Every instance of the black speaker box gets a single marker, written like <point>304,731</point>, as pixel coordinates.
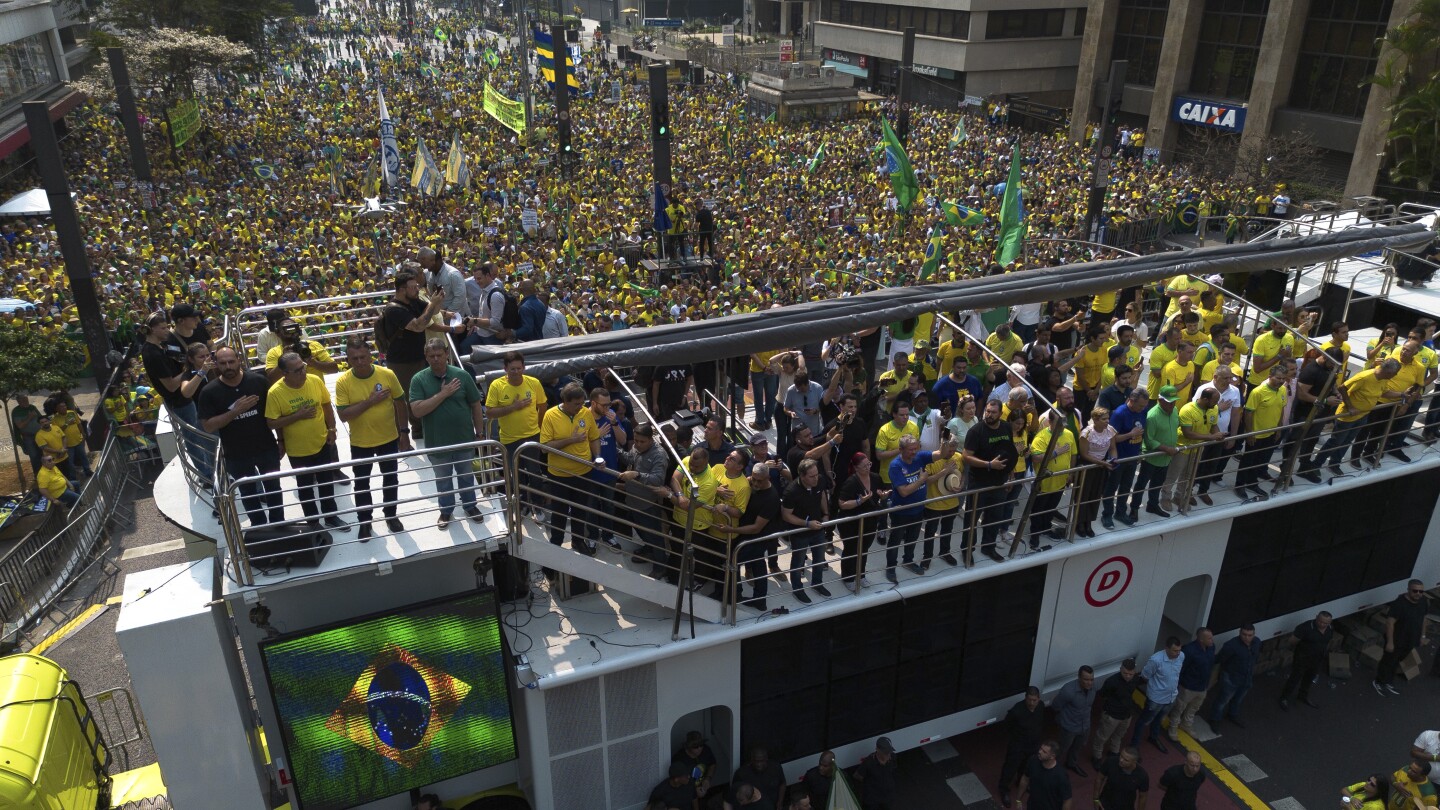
<point>512,577</point>
<point>286,546</point>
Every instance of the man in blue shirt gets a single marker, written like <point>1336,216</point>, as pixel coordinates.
<point>947,389</point>
<point>611,436</point>
<point>1162,684</point>
<point>1237,672</point>
<point>1194,682</point>
<point>532,313</point>
<point>908,479</point>
<point>1129,423</point>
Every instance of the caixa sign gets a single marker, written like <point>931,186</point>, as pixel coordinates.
<point>1213,114</point>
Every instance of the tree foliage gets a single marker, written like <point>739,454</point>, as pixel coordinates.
<point>1263,161</point>
<point>237,20</point>
<point>37,362</point>
<point>169,60</point>
<point>1410,71</point>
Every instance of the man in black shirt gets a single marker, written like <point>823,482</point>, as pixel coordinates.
<point>1181,784</point>
<point>698,757</point>
<point>1117,706</point>
<point>677,791</point>
<point>717,447</point>
<point>187,328</point>
<point>819,780</point>
<point>1121,784</point>
<point>875,776</point>
<point>761,775</point>
<point>1044,781</point>
<point>761,518</point>
<point>1313,642</point>
<point>990,456</point>
<point>1404,631</point>
<point>1115,394</point>
<point>806,505</point>
<point>1024,725</point>
<point>670,390</point>
<point>1314,378</point>
<point>403,324</point>
<point>850,432</point>
<point>234,407</point>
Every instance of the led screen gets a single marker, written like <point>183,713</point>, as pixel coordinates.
<point>392,702</point>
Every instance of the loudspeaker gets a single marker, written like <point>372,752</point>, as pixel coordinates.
<point>286,546</point>
<point>512,577</point>
<point>697,74</point>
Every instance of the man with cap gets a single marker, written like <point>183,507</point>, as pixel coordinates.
<point>1159,444</point>
<point>875,776</point>
<point>185,326</point>
<point>696,755</point>
<point>677,790</point>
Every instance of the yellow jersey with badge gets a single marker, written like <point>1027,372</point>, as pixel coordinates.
<point>523,423</point>
<point>1363,391</point>
<point>1266,407</point>
<point>376,424</point>
<point>304,437</point>
<point>317,353</point>
<point>1198,419</point>
<point>1060,461</point>
<point>888,438</point>
<point>556,425</point>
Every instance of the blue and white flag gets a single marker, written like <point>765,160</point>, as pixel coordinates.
<point>389,150</point>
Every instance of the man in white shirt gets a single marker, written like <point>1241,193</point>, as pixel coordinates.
<point>445,277</point>
<point>927,419</point>
<point>1231,406</point>
<point>1427,747</point>
<point>485,294</point>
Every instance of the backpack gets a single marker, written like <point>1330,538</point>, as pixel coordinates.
<point>510,317</point>
<point>380,332</point>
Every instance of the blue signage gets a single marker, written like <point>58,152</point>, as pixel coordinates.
<point>662,22</point>
<point>1212,114</point>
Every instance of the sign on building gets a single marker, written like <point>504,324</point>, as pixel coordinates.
<point>1211,114</point>
<point>787,50</point>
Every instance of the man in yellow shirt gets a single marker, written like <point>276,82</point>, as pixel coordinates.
<point>299,407</point>
<point>1089,364</point>
<point>69,423</point>
<point>371,402</point>
<point>1057,476</point>
<point>1264,410</point>
<point>50,438</point>
<point>1270,348</point>
<point>1166,350</point>
<point>1004,342</point>
<point>1406,385</point>
<point>516,403</point>
<point>706,491</point>
<point>52,483</point>
<point>1181,372</point>
<point>1182,287</point>
<point>1199,422</point>
<point>1358,397</point>
<point>318,362</point>
<point>732,495</point>
<point>571,430</point>
<point>887,440</point>
<point>1227,359</point>
<point>897,379</point>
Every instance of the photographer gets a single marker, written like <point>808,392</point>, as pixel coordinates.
<point>318,362</point>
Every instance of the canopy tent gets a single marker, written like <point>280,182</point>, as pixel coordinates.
<point>739,335</point>
<point>32,203</point>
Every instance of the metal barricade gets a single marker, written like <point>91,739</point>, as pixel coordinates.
<point>470,475</point>
<point>343,316</point>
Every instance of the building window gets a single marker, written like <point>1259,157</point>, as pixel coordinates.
<point>1040,22</point>
<point>1339,50</point>
<point>886,17</point>
<point>1139,36</point>
<point>1080,21</point>
<point>25,65</point>
<point>1228,47</point>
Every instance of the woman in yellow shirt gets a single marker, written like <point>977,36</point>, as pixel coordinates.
<point>1372,794</point>
<point>69,423</point>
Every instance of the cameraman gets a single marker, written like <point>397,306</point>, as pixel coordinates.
<point>317,361</point>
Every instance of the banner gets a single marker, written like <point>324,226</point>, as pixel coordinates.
<point>184,122</point>
<point>457,173</point>
<point>510,114</point>
<point>389,151</point>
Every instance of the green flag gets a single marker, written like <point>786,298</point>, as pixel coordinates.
<point>1012,215</point>
<point>440,34</point>
<point>817,160</point>
<point>932,256</point>
<point>902,176</point>
<point>770,119</point>
<point>957,214</point>
<point>958,136</point>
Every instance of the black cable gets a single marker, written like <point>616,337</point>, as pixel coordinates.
<point>168,580</point>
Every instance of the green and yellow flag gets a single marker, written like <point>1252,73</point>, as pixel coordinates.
<point>902,175</point>
<point>1012,215</point>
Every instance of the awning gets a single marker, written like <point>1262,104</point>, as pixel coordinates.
<point>32,203</point>
<point>739,335</point>
<point>863,73</point>
<point>13,132</point>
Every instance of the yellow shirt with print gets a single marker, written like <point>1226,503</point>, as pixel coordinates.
<point>1266,407</point>
<point>304,437</point>
<point>1005,348</point>
<point>69,424</point>
<point>1198,419</point>
<point>1159,356</point>
<point>376,424</point>
<point>558,425</point>
<point>525,422</point>
<point>1090,366</point>
<point>1411,373</point>
<point>739,487</point>
<point>317,353</point>
<point>932,489</point>
<point>1209,373</point>
<point>888,438</point>
<point>706,483</point>
<point>1176,375</point>
<point>1363,390</point>
<point>1404,793</point>
<point>1063,458</point>
<point>1266,347</point>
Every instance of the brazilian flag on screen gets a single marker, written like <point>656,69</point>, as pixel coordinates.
<point>545,51</point>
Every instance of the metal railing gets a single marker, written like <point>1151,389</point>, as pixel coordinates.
<point>328,321</point>
<point>470,475</point>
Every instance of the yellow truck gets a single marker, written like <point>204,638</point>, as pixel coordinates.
<point>52,756</point>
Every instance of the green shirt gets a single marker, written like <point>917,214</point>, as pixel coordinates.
<point>1160,429</point>
<point>453,421</point>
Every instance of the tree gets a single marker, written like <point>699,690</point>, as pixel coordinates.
<point>168,60</point>
<point>1411,73</point>
<point>35,362</point>
<point>240,21</point>
<point>1267,160</point>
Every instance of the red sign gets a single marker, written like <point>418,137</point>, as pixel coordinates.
<point>1108,581</point>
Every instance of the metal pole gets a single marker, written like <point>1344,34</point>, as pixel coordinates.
<point>72,239</point>
<point>129,114</point>
<point>560,36</point>
<point>522,36</point>
<point>907,65</point>
<point>1100,178</point>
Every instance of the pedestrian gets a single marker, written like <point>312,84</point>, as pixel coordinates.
<point>1312,643</point>
<point>757,772</point>
<point>819,780</point>
<point>1404,631</point>
<point>1236,661</point>
<point>447,402</point>
<point>1024,727</point>
<point>1128,420</point>
<point>570,438</point>
<point>1160,444</point>
<point>1194,682</point>
<point>697,756</point>
<point>1427,748</point>
<point>1073,707</point>
<point>1372,794</point>
<point>298,408</point>
<point>909,476</point>
<point>400,333</point>
<point>53,483</point>
<point>1117,706</point>
<point>233,406</point>
<point>1162,684</point>
<point>875,776</point>
<point>1120,783</point>
<point>990,456</point>
<point>1044,781</point>
<point>677,790</point>
<point>1181,784</point>
<point>371,403</point>
<point>806,505</point>
<point>1411,788</point>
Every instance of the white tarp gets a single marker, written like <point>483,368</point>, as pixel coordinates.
<point>32,203</point>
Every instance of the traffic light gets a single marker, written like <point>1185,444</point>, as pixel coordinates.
<point>660,118</point>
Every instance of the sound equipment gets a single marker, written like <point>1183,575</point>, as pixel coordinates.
<point>301,544</point>
<point>512,576</point>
